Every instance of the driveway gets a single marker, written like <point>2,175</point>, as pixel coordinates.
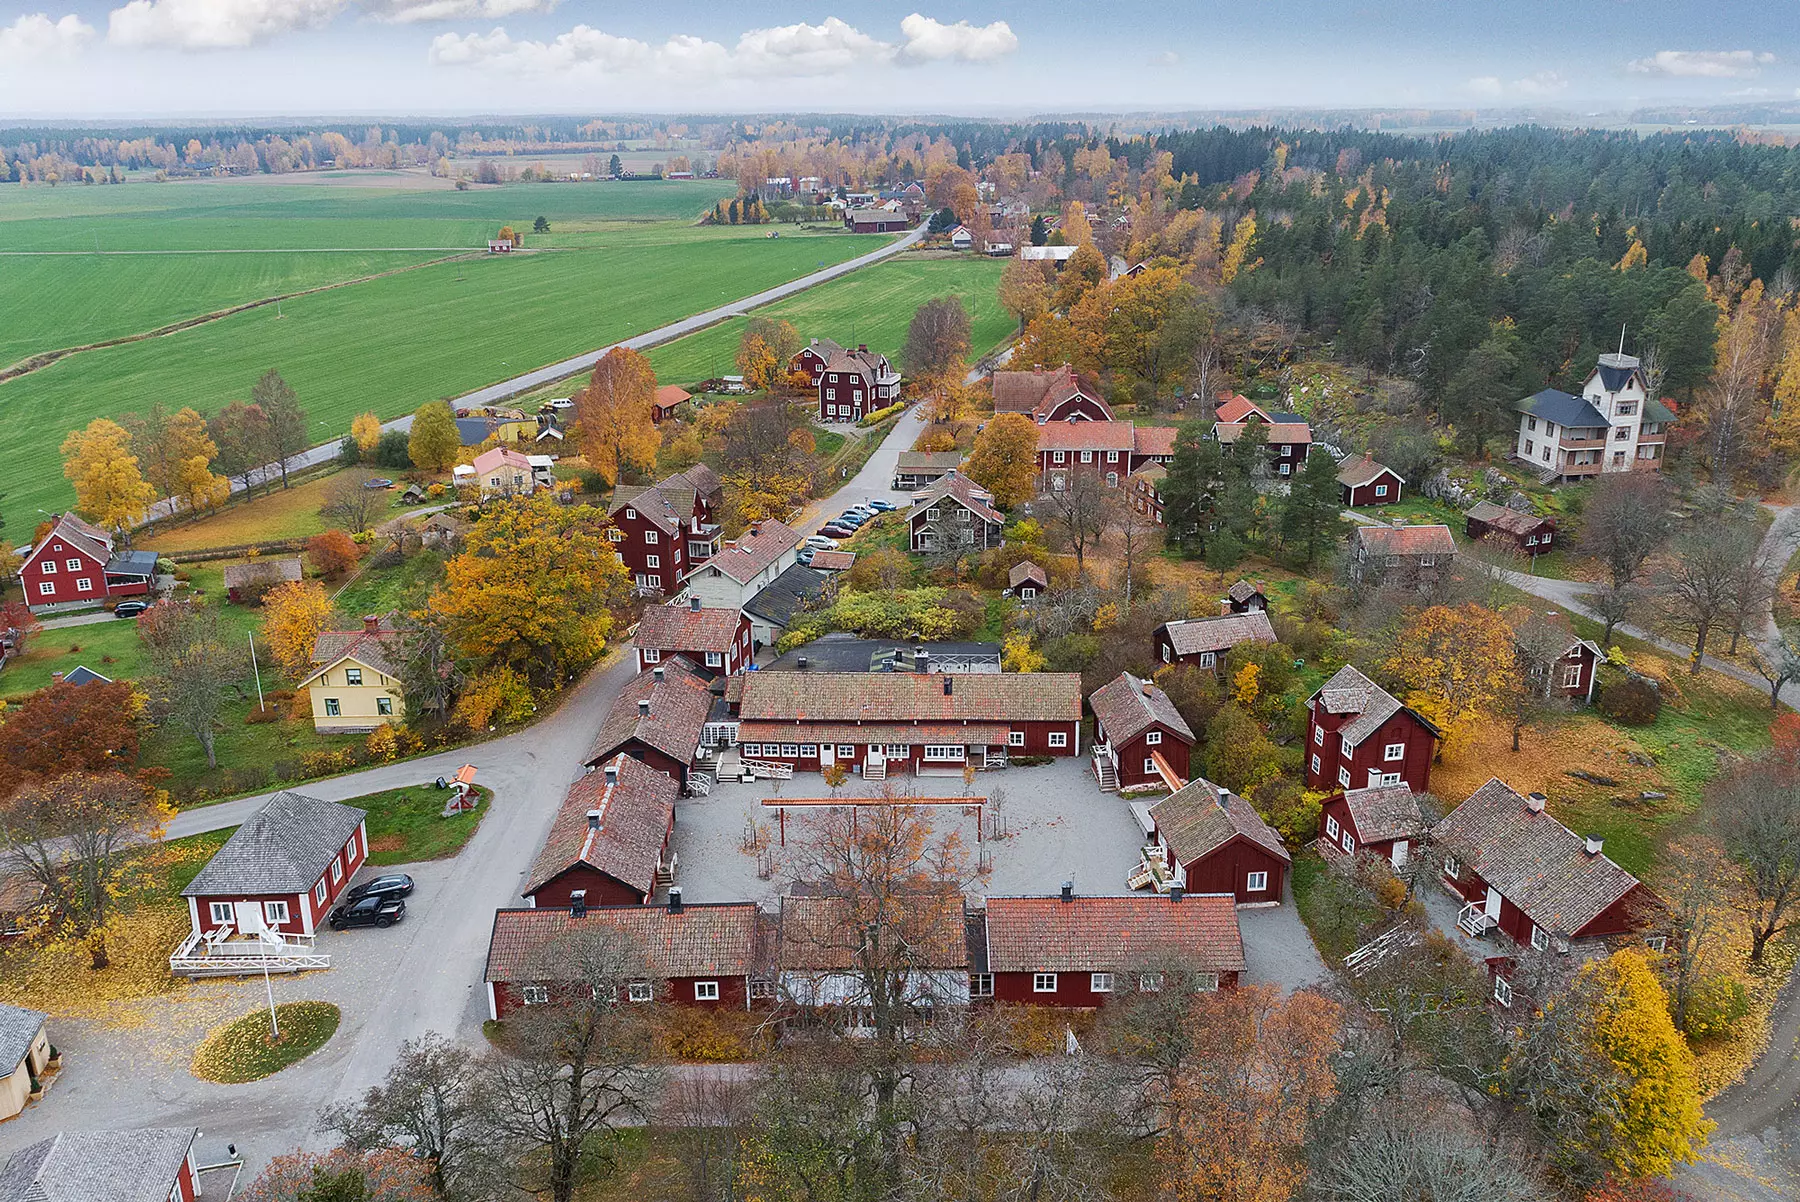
<point>1755,1153</point>
<point>876,479</point>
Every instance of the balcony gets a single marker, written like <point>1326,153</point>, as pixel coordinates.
<point>1579,469</point>
<point>1582,444</point>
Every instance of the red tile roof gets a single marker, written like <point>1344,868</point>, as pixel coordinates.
<point>832,561</point>
<point>1038,392</point>
<point>757,548</point>
<point>1086,436</point>
<point>379,649</point>
<point>1153,440</point>
<point>670,395</point>
<point>990,734</point>
<point>904,697</point>
<point>1358,470</point>
<point>1024,571</point>
<point>1350,692</point>
<point>679,702</point>
<point>697,941</point>
<point>1236,407</point>
<point>636,812</point>
<point>1278,432</point>
<point>1113,934</point>
<point>1195,636</point>
<point>824,934</point>
<point>1383,812</point>
<point>1200,818</point>
<point>680,627</point>
<point>1127,707</point>
<point>1406,540</point>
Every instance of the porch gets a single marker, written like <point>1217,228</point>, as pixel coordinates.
<point>227,952</point>
<point>1464,923</point>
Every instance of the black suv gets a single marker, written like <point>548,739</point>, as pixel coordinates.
<point>394,884</point>
<point>368,912</point>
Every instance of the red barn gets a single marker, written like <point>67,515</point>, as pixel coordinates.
<point>657,719</point>
<point>663,532</point>
<point>1382,820</point>
<point>1141,740</point>
<point>281,871</point>
<point>716,641</point>
<point>668,401</point>
<point>76,564</point>
<point>1204,642</point>
<point>1358,735</point>
<point>142,1164</point>
<point>1081,952</point>
<point>609,843</point>
<point>1216,842</point>
<point>693,955</point>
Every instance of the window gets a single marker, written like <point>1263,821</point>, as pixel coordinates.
<point>831,394</point>
<point>1256,882</point>
<point>1621,433</point>
<point>1315,765</point>
<point>534,995</point>
<point>47,588</point>
<point>1656,943</point>
<point>337,870</point>
<point>384,706</point>
<point>221,911</point>
<point>1531,423</point>
<point>1344,777</point>
<point>1331,827</point>
<point>1286,468</point>
<point>84,585</point>
<point>899,751</point>
<point>1530,446</point>
<point>943,751</point>
<point>651,654</point>
<point>1112,479</point>
<point>653,561</point>
<point>352,675</point>
<point>1208,659</point>
<point>1571,676</point>
<point>1348,843</point>
<point>1015,738</point>
<point>74,565</point>
<point>1149,766</point>
<point>1381,490</point>
<point>1318,736</point>
<point>1452,867</point>
<point>809,751</point>
<point>1206,982</point>
<point>963,515</point>
<point>981,984</point>
<point>319,892</point>
<point>1503,992</point>
<point>706,991</point>
<point>790,750</point>
<point>751,748</point>
<point>615,534</point>
<point>1043,982</point>
<point>275,912</point>
<point>1059,738</point>
<point>933,514</point>
<point>1627,408</point>
<point>1152,737</point>
<point>49,566</point>
<point>1426,561</point>
<point>1165,653</point>
<point>846,751</point>
<point>1087,456</point>
<point>651,537</point>
<point>1112,456</point>
<point>631,513</point>
<point>1395,751</point>
<point>332,709</point>
<point>1100,982</point>
<point>1056,456</point>
<point>1150,982</point>
<point>1539,940</point>
<point>1545,456</point>
<point>715,659</point>
<point>1388,778</point>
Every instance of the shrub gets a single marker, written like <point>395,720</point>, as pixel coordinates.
<point>1028,761</point>
<point>710,1036</point>
<point>1633,701</point>
<point>391,450</point>
<point>592,482</point>
<point>332,553</point>
<point>435,490</point>
<point>382,744</point>
<point>259,715</point>
<point>881,415</point>
<point>1717,1006</point>
<point>497,696</point>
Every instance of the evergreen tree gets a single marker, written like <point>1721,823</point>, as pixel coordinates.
<point>1039,231</point>
<point>1482,392</point>
<point>1312,514</point>
<point>1191,485</point>
<point>615,168</point>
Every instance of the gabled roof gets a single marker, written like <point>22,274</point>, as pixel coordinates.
<point>1510,520</point>
<point>1196,636</point>
<point>89,540</point>
<point>831,561</point>
<point>1617,370</point>
<point>1026,570</point>
<point>285,847</point>
<point>1242,591</point>
<point>1358,470</point>
<point>1086,436</point>
<point>82,674</point>
<point>906,697</point>
<point>625,842</point>
<point>495,458</point>
<point>1555,405</point>
<point>699,940</point>
<point>1088,934</point>
<point>820,934</point>
<point>1153,440</point>
<point>757,548</point>
<point>1278,432</point>
<point>679,700</point>
<point>18,1030</point>
<point>1236,407</point>
<point>779,600</point>
<point>257,571</point>
<point>138,1165</point>
<point>867,364</point>
<point>824,348</point>
<point>1405,540</point>
<point>671,500</point>
<point>927,461</point>
<point>1657,411</point>
<point>378,648</point>
<point>1153,473</point>
<point>670,395</point>
<point>1383,812</point>
<point>1200,817</point>
<point>1350,692</point>
<point>1038,393</point>
<point>963,491</point>
<point>1127,707</point>
<point>680,627</point>
<point>1537,863</point>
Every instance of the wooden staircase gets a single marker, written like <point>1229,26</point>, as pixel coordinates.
<point>1104,773</point>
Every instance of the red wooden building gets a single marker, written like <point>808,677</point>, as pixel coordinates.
<point>657,719</point>
<point>141,1164</point>
<point>663,532</point>
<point>716,641</point>
<point>1059,395</point>
<point>1358,734</point>
<point>1146,485</point>
<point>667,403</point>
<point>1526,532</point>
<point>1081,952</point>
<point>856,383</point>
<point>1215,842</point>
<point>1517,869</point>
<point>1107,450</point>
<point>1289,437</point>
<point>1140,739</point>
<point>76,563</point>
<point>1382,820</point>
<point>1362,481</point>
<point>813,357</point>
<point>693,955</point>
<point>1204,642</point>
<point>1575,671</point>
<point>886,722</point>
<point>1242,597</point>
<point>281,871</point>
<point>609,843</point>
<point>955,514</point>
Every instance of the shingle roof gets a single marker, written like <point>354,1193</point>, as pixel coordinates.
<point>1127,707</point>
<point>1153,440</point>
<point>756,549</point>
<point>1236,407</point>
<point>1037,393</point>
<point>680,627</point>
<point>1657,411</point>
<point>138,1165</point>
<point>671,500</point>
<point>636,812</point>
<point>89,539</point>
<point>1383,812</point>
<point>1243,590</point>
<point>823,934</point>
<point>1086,436</point>
<point>670,395</point>
<point>1088,934</point>
<point>915,462</point>
<point>779,600</point>
<point>1278,432</point>
<point>699,940</point>
<point>1555,405</point>
<point>379,649</point>
<point>1358,470</point>
<point>285,847</point>
<point>1194,636</point>
<point>256,571</point>
<point>905,697</point>
<point>1510,520</point>
<point>679,702</point>
<point>18,1028</point>
<point>964,491</point>
<point>1537,863</point>
<point>1350,692</point>
<point>822,347</point>
<point>1026,570</point>
<point>1196,823</point>
<point>831,561</point>
<point>1406,540</point>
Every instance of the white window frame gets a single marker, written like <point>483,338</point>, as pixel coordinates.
<point>653,561</point>
<point>1206,982</point>
<point>1149,766</point>
<point>337,869</point>
<point>1043,982</point>
<point>1344,777</point>
<point>1112,456</point>
<point>1208,659</point>
<point>1100,982</point>
<point>750,749</point>
<point>274,912</point>
<point>1657,943</point>
<point>1056,457</point>
<point>1381,490</point>
<point>1015,738</point>
<point>809,751</point>
<point>1331,827</point>
<point>46,588</point>
<point>1087,456</point>
<point>1059,738</point>
<point>1152,738</point>
<point>1452,867</point>
<point>48,566</point>
<point>846,751</point>
<point>1571,676</point>
<point>1394,751</point>
<point>790,751</point>
<point>715,659</point>
<point>706,991</point>
<point>1256,882</point>
<point>1150,982</point>
<point>1318,736</point>
<point>74,565</point>
<point>651,537</point>
<point>651,654</point>
<point>319,890</point>
<point>631,513</point>
<point>534,995</point>
<point>221,912</point>
<point>1348,843</point>
<point>1503,992</point>
<point>1540,938</point>
<point>84,585</point>
<point>1315,765</point>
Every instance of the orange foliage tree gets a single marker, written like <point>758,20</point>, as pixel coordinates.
<point>612,414</point>
<point>1453,664</point>
<point>332,553</point>
<point>293,615</point>
<point>69,728</point>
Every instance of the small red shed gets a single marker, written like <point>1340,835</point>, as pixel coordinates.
<point>1216,842</point>
<point>1139,736</point>
<point>1381,820</point>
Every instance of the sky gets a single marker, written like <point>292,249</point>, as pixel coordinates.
<point>303,58</point>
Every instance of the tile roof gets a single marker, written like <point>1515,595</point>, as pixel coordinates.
<point>1405,540</point>
<point>1086,436</point>
<point>779,600</point>
<point>961,489</point>
<point>1193,636</point>
<point>1357,470</point>
<point>679,701</point>
<point>831,561</point>
<point>258,571</point>
<point>1195,823</point>
<point>1537,863</point>
<point>1278,432</point>
<point>824,933</point>
<point>1555,405</point>
<point>1038,393</point>
<point>1510,520</point>
<point>1243,590</point>
<point>285,847</point>
<point>670,395</point>
<point>1026,570</point>
<point>1383,812</point>
<point>757,548</point>
<point>1153,440</point>
<point>138,1165</point>
<point>670,501</point>
<point>1153,472</point>
<point>18,1028</point>
<point>1236,407</point>
<point>680,627</point>
<point>498,457</point>
<point>699,940</point>
<point>1127,707</point>
<point>1350,692</point>
<point>914,462</point>
<point>867,364</point>
<point>905,697</point>
<point>91,540</point>
<point>379,649</point>
<point>978,733</point>
<point>822,347</point>
<point>1088,934</point>
<point>636,812</point>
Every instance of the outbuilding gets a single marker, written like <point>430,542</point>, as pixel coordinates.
<point>1215,842</point>
<point>609,842</point>
<point>1362,481</point>
<point>1381,820</point>
<point>1141,741</point>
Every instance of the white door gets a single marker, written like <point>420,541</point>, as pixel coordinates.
<point>827,754</point>
<point>249,917</point>
<point>873,760</point>
<point>1492,905</point>
<point>1399,853</point>
<point>1374,777</point>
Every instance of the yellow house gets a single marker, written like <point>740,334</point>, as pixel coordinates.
<point>355,684</point>
<point>24,1046</point>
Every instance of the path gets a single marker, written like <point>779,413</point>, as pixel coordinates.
<point>494,393</point>
<point>1753,1153</point>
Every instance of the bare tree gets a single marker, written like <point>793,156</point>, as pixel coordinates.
<point>352,505</point>
<point>1395,1155</point>
<point>424,1107</point>
<point>1139,538</point>
<point>1614,603</point>
<point>1078,512</point>
<point>1756,817</point>
<point>1530,696</point>
<point>1701,583</point>
<point>1693,887</point>
<point>1628,515</point>
<point>1777,662</point>
<point>194,667</point>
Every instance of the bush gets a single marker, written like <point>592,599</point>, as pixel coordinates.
<point>881,415</point>
<point>382,744</point>
<point>592,482</point>
<point>391,451</point>
<point>1029,761</point>
<point>1717,1006</point>
<point>349,454</point>
<point>1633,701</point>
<point>258,716</point>
<point>709,1036</point>
<point>332,553</point>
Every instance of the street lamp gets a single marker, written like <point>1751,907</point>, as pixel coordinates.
<point>270,940</point>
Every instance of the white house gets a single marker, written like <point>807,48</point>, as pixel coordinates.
<point>1615,425</point>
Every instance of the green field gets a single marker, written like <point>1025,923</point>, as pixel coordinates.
<point>874,306</point>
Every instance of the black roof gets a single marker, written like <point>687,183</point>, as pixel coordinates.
<point>839,652</point>
<point>1555,405</point>
<point>783,596</point>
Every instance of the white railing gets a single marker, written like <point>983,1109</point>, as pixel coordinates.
<point>763,769</point>
<point>1474,921</point>
<point>212,956</point>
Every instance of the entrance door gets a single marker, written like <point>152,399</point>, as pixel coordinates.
<point>1491,907</point>
<point>1399,853</point>
<point>249,917</point>
<point>827,755</point>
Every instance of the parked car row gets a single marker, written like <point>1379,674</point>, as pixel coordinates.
<point>854,518</point>
<point>374,903</point>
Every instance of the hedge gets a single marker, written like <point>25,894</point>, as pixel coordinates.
<point>881,415</point>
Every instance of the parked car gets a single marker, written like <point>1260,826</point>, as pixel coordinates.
<point>378,482</point>
<point>883,506</point>
<point>852,520</point>
<point>861,511</point>
<point>836,531</point>
<point>818,542</point>
<point>376,911</point>
<point>394,884</point>
<point>130,609</point>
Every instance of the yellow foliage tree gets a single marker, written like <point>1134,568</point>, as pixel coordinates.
<point>1004,459</point>
<point>754,496</point>
<point>1084,272</point>
<point>1075,226</point>
<point>1237,251</point>
<point>495,697</point>
<point>1106,617</point>
<point>1454,665</point>
<point>757,363</point>
<point>365,431</point>
<point>109,489</point>
<point>1024,292</point>
<point>1635,256</point>
<point>293,615</point>
<point>1784,403</point>
<point>1018,655</point>
<point>190,451</point>
<point>612,414</point>
<point>1246,685</point>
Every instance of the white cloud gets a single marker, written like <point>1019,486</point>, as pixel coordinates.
<point>1166,58</point>
<point>1486,85</point>
<point>929,41</point>
<point>35,37</point>
<point>215,24</point>
<point>409,12</point>
<point>1535,86</point>
<point>582,46</point>
<point>823,49</point>
<point>1706,64</point>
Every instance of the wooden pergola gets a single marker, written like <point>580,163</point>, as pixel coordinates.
<point>781,804</point>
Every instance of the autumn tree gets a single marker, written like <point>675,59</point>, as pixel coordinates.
<point>1078,512</point>
<point>1138,538</point>
<point>938,339</point>
<point>612,414</point>
<point>1716,574</point>
<point>294,614</point>
<point>74,837</point>
<point>1453,665</point>
<point>365,432</point>
<point>424,1108</point>
<point>1084,272</point>
<point>1237,252</point>
<point>176,452</point>
<point>764,464</point>
<point>109,489</point>
<point>1024,292</point>
<point>533,590</point>
<point>350,504</point>
<point>286,419</point>
<point>69,728</point>
<point>332,553</point>
<point>193,665</point>
<point>434,442</point>
<point>241,432</point>
<point>1755,808</point>
<point>341,1175</point>
<point>766,348</point>
<point>1004,459</point>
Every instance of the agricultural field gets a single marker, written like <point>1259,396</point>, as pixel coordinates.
<point>621,259</point>
<point>873,306</point>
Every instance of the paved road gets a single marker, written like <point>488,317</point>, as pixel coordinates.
<point>876,479</point>
<point>1755,1153</point>
<point>495,393</point>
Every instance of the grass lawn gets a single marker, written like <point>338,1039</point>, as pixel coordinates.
<point>403,587</point>
<point>242,1049</point>
<point>406,825</point>
<point>874,306</point>
<point>111,648</point>
<point>1334,934</point>
<point>282,514</point>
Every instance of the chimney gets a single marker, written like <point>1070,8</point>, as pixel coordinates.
<point>1224,606</point>
<point>1068,891</point>
<point>1149,689</point>
<point>1594,844</point>
<point>1222,794</point>
<point>949,684</point>
<point>694,604</point>
<point>1534,802</point>
<point>371,624</point>
<point>657,672</point>
<point>674,899</point>
<point>612,774</point>
<point>643,707</point>
<point>862,348</point>
<point>922,661</point>
<point>594,815</point>
<point>1176,893</point>
<point>578,902</point>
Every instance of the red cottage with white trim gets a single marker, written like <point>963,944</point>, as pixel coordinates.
<point>853,384</point>
<point>1358,735</point>
<point>657,719</point>
<point>281,871</point>
<point>609,843</point>
<point>1140,738</point>
<point>1383,820</point>
<point>663,532</point>
<point>714,640</point>
<point>76,563</point>
<point>1204,642</point>
<point>1049,396</point>
<point>1215,842</point>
